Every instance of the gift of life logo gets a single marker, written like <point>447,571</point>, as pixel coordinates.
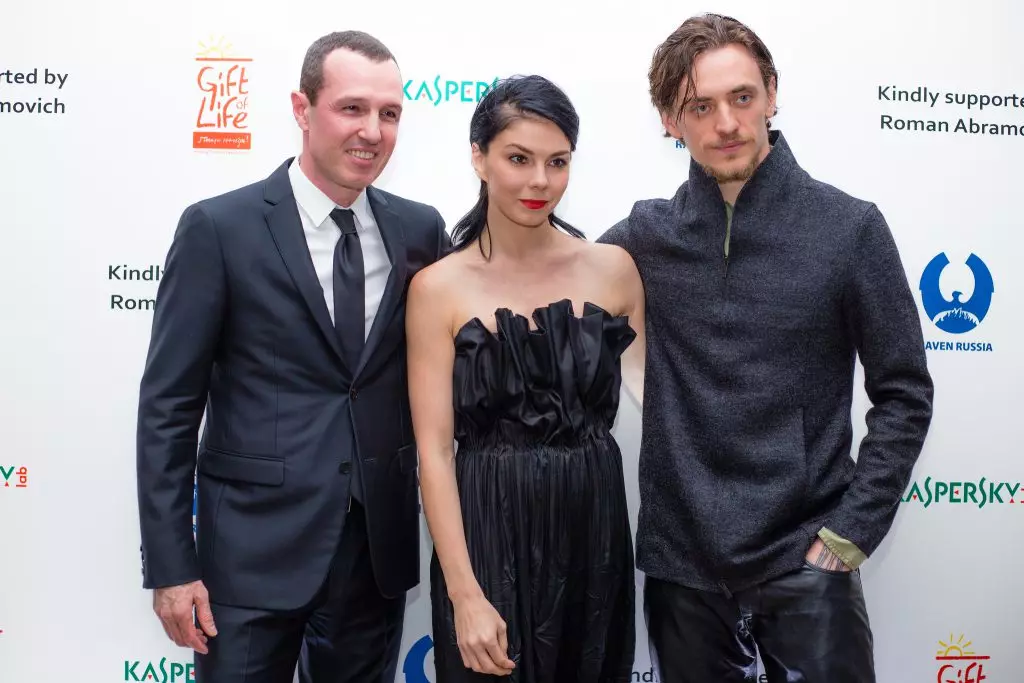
<point>14,477</point>
<point>159,672</point>
<point>981,493</point>
<point>223,83</point>
<point>958,663</point>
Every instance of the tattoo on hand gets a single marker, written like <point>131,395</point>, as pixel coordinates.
<point>827,559</point>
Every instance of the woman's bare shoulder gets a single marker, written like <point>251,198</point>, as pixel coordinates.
<point>441,285</point>
<point>610,260</point>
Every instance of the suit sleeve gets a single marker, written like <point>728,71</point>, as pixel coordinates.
<point>190,308</point>
<point>885,327</point>
<point>444,241</point>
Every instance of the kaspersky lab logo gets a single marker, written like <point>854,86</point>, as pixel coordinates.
<point>441,90</point>
<point>954,315</point>
<point>958,663</point>
<point>14,476</point>
<point>981,493</point>
<point>159,672</point>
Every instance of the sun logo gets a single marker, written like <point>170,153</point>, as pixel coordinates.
<point>961,663</point>
<point>215,48</point>
<point>956,649</point>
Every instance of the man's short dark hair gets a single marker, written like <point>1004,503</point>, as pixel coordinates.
<point>312,79</point>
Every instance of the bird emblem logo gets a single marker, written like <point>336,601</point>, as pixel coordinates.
<point>956,316</point>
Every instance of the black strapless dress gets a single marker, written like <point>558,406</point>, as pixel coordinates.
<point>542,495</point>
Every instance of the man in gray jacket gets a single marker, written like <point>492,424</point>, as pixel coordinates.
<point>763,285</point>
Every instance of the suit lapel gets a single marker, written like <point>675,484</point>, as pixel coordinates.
<point>393,235</point>
<point>282,216</point>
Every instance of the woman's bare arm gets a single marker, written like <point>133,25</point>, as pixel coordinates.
<point>628,288</point>
<point>431,358</point>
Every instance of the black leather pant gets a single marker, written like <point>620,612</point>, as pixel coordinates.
<point>808,626</point>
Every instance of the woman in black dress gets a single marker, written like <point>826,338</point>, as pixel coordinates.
<point>517,343</point>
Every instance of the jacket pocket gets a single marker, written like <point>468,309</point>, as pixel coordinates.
<point>815,569</point>
<point>251,469</point>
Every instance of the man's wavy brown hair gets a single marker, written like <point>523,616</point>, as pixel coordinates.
<point>673,59</point>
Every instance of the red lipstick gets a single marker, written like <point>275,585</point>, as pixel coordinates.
<point>534,204</point>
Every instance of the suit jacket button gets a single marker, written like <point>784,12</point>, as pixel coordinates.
<point>345,467</point>
<point>353,393</point>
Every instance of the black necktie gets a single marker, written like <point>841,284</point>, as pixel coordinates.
<point>349,307</point>
<point>349,288</point>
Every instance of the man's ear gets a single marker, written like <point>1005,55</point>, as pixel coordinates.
<point>300,109</point>
<point>672,124</point>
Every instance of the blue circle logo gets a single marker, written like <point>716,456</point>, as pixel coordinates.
<point>956,316</point>
<point>415,666</point>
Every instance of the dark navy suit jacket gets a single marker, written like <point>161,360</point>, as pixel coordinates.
<point>241,331</point>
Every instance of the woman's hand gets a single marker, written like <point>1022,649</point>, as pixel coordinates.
<point>482,637</point>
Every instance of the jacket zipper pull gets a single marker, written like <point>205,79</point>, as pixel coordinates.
<point>728,236</point>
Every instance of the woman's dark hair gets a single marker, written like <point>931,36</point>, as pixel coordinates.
<point>509,100</point>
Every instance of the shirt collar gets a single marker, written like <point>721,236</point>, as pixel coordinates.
<point>317,205</point>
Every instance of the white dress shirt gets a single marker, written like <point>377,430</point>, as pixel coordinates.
<point>322,235</point>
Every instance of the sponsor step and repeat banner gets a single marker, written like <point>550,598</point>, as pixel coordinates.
<point>114,116</point>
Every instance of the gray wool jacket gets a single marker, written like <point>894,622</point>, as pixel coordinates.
<point>747,431</point>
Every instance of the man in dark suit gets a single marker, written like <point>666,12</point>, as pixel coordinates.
<point>281,315</point>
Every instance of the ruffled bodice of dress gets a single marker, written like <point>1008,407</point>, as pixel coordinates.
<point>556,382</point>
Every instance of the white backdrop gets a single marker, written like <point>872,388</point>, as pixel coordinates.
<point>101,181</point>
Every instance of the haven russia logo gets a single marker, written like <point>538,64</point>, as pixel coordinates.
<point>959,307</point>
